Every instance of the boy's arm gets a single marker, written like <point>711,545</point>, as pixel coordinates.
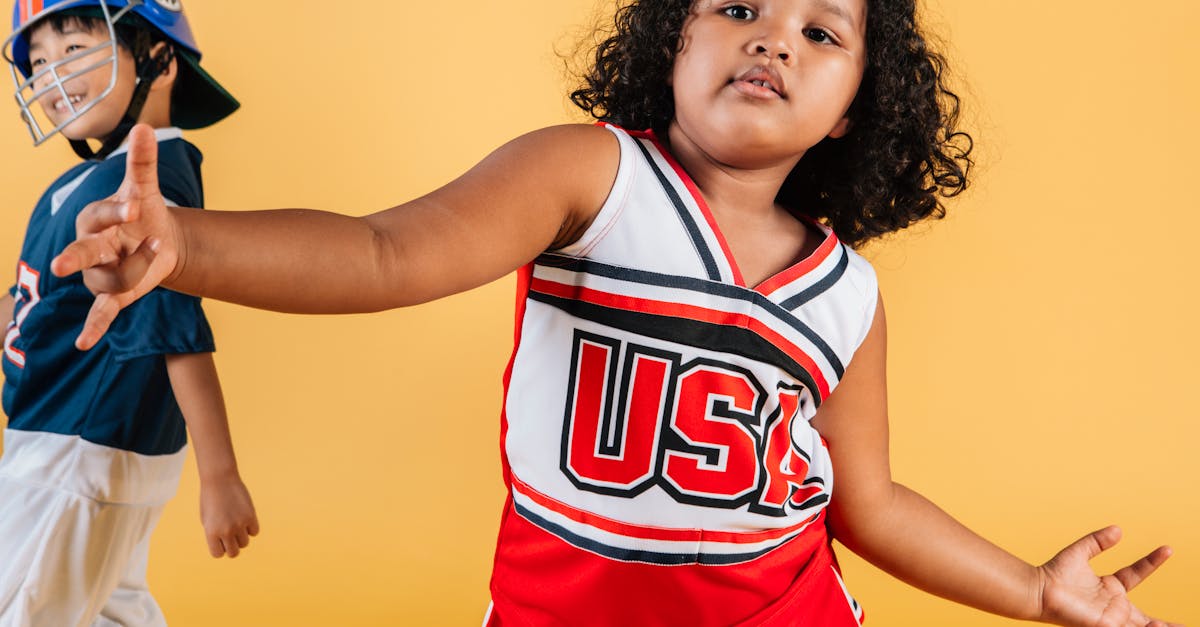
<point>6,310</point>
<point>906,535</point>
<point>534,193</point>
<point>226,511</point>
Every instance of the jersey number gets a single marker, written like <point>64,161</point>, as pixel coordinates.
<point>27,297</point>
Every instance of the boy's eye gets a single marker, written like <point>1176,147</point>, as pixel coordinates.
<point>36,62</point>
<point>74,48</point>
<point>820,36</point>
<point>739,12</point>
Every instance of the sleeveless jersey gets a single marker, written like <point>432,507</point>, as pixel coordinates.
<point>656,440</point>
<point>117,394</point>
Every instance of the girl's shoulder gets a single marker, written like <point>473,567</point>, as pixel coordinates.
<point>574,162</point>
<point>574,166</point>
<point>567,145</point>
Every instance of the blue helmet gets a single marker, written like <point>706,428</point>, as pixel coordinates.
<point>200,100</point>
<point>165,15</point>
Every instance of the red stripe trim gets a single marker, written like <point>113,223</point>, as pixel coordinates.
<point>522,294</point>
<point>699,199</point>
<point>658,533</point>
<point>690,312</point>
<point>523,278</point>
<point>805,266</point>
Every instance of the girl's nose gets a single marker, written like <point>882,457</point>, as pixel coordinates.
<point>774,42</point>
<point>773,51</point>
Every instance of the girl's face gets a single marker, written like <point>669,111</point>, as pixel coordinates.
<point>759,82</point>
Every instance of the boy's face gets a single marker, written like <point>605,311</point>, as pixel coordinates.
<point>759,82</point>
<point>48,46</point>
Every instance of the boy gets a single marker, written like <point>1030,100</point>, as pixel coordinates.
<point>95,441</point>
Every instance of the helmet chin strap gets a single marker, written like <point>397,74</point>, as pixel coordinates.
<point>148,68</point>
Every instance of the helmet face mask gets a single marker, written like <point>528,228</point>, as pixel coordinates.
<point>33,86</point>
<point>197,99</point>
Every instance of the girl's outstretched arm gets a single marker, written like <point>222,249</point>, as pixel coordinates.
<point>908,536</point>
<point>537,192</point>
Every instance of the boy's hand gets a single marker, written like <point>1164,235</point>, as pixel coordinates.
<point>1072,594</point>
<point>126,244</point>
<point>228,515</point>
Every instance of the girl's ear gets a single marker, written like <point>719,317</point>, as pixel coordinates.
<point>166,80</point>
<point>842,128</point>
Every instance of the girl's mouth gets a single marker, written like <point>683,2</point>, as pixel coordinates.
<point>762,82</point>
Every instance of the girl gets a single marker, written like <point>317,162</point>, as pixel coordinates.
<point>700,358</point>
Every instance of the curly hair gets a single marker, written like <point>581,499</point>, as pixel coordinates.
<point>904,152</point>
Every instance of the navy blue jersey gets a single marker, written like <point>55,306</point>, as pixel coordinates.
<point>117,394</point>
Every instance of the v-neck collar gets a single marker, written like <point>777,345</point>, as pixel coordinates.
<point>771,283</point>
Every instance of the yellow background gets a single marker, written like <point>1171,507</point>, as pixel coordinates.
<point>1043,338</point>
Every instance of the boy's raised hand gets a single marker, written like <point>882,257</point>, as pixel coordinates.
<point>126,244</point>
<point>1072,594</point>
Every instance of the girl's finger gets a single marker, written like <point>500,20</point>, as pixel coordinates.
<point>1091,545</point>
<point>82,254</point>
<point>104,310</point>
<point>107,305</point>
<point>1135,573</point>
<point>141,162</point>
<point>129,274</point>
<point>103,214</point>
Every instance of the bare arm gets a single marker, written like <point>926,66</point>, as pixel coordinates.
<point>911,538</point>
<point>534,193</point>
<point>226,510</point>
<point>6,310</point>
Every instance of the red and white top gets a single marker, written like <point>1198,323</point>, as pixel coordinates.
<point>656,438</point>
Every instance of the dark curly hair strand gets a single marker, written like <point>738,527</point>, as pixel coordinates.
<point>903,154</point>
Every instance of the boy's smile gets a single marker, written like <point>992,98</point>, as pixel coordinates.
<point>47,47</point>
<point>757,83</point>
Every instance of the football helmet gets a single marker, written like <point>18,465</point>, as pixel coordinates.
<point>200,100</point>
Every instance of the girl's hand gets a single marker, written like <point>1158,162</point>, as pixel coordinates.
<point>126,244</point>
<point>1072,594</point>
<point>228,515</point>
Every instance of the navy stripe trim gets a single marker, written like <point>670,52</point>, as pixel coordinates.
<point>724,290</point>
<point>645,557</point>
<point>818,288</point>
<point>685,216</point>
<point>703,335</point>
<point>819,499</point>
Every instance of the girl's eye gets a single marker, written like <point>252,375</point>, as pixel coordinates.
<point>820,36</point>
<point>739,12</point>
